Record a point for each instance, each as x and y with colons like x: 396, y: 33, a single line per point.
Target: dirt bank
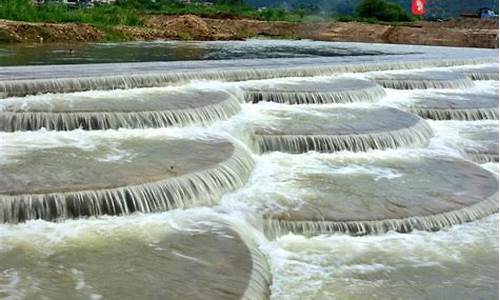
x: 465, y: 33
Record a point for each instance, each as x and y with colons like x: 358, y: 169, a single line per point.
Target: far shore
x: 461, y: 33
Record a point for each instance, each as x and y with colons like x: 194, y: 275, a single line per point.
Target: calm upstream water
x: 127, y: 257
x: 78, y: 53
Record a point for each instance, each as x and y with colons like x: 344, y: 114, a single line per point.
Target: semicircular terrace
x: 338, y: 129
x: 456, y: 106
x: 142, y: 108
x: 117, y: 259
x: 424, y: 80
x: 119, y: 176
x: 335, y: 90
x: 387, y: 194
x: 486, y: 72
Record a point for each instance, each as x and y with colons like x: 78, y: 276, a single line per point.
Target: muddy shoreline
x: 461, y: 33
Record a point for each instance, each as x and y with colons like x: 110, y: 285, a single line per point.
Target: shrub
x: 382, y: 11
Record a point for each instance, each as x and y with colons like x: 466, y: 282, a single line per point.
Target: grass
x: 23, y: 10
x: 129, y: 12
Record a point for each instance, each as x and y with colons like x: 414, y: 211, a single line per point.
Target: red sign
x: 418, y: 7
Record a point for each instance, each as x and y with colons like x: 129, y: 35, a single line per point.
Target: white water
x: 450, y: 264
x: 459, y: 262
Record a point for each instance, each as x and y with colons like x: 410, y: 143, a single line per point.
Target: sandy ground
x: 463, y: 33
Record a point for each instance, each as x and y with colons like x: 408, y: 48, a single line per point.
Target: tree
x: 382, y: 11
x: 231, y: 2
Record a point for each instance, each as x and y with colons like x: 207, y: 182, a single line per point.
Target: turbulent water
x: 459, y: 263
x: 129, y: 257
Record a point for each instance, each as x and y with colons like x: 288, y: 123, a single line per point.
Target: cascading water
x: 413, y: 176
x: 476, y: 140
x: 458, y: 263
x: 119, y: 177
x: 456, y: 106
x: 22, y: 81
x: 94, y: 258
x: 488, y: 72
x: 340, y: 129
x: 488, y: 151
x: 424, y: 80
x: 336, y: 90
x: 143, y: 108
x: 369, y: 193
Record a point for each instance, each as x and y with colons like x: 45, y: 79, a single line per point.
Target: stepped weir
x: 362, y: 197
x: 87, y: 181
x: 488, y: 72
x: 119, y: 177
x: 424, y: 80
x: 22, y: 81
x: 338, y: 129
x: 126, y: 261
x: 337, y: 90
x: 144, y: 108
x: 456, y: 106
x: 484, y: 143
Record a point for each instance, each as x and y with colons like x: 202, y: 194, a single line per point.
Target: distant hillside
x: 444, y: 8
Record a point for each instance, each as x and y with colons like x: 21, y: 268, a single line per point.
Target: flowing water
x: 74, y: 53
x: 219, y: 246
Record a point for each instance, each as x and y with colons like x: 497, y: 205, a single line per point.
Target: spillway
x: 424, y: 80
x: 488, y: 149
x: 476, y: 140
x: 345, y: 197
x: 141, y: 108
x: 487, y: 72
x: 338, y: 129
x: 21, y: 81
x: 118, y: 176
x: 460, y: 105
x: 115, y: 259
x: 460, y: 262
x: 336, y: 90
x: 360, y: 196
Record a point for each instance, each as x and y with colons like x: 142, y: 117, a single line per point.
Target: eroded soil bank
x: 461, y: 33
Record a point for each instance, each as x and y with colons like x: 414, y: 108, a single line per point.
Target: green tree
x: 231, y: 2
x: 382, y: 11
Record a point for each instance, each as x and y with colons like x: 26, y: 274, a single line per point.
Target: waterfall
x: 409, y: 83
x: 483, y: 75
x: 278, y: 227
x: 472, y: 114
x: 201, y: 187
x: 362, y: 196
x: 182, y: 115
x: 11, y: 87
x: 489, y: 72
x: 260, y: 277
x: 416, y: 136
x: 457, y: 105
x: 340, y: 129
x: 342, y: 90
x: 482, y: 157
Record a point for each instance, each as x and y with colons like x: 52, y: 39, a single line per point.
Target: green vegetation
x: 381, y: 10
x: 129, y: 12
x: 24, y: 10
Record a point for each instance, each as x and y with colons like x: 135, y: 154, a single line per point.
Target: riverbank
x: 462, y: 33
